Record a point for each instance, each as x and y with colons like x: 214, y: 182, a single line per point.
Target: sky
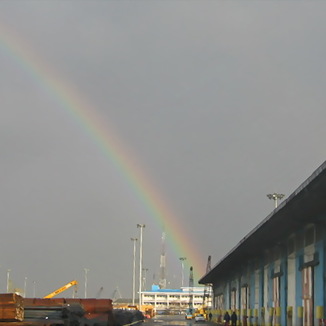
x: 179, y: 115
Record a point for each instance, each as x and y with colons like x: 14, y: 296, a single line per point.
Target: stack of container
x: 11, y: 307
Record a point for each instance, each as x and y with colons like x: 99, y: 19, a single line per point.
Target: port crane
x: 63, y: 288
x: 99, y: 292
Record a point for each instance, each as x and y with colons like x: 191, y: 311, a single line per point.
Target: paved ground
x: 178, y: 320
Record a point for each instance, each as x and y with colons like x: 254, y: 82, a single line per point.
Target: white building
x: 173, y: 300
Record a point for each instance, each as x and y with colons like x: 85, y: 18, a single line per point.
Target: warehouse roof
x: 304, y: 205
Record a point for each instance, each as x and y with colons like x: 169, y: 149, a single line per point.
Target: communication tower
x: 191, y: 289
x: 162, y: 280
x: 207, y: 298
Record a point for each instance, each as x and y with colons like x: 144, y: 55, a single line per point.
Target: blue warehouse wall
x: 319, y: 276
x: 277, y: 274
x: 283, y: 288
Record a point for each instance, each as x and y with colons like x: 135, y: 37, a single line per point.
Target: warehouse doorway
x: 308, y: 295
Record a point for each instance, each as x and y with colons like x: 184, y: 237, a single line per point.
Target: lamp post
x: 86, y: 270
x: 25, y: 286
x: 275, y: 196
x: 141, y: 226
x: 8, y: 279
x: 134, y: 271
x: 182, y: 259
x: 145, y: 270
x: 34, y: 289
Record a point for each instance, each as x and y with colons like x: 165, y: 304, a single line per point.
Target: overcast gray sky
x: 218, y: 102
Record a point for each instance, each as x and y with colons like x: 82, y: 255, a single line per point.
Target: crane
x: 116, y: 294
x: 63, y: 288
x: 99, y: 292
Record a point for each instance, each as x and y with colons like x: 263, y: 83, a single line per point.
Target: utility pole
x: 141, y: 226
x: 275, y: 196
x: 134, y: 271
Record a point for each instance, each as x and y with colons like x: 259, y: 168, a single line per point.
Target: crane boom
x: 98, y: 294
x: 63, y: 288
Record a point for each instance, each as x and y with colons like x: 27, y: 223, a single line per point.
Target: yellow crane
x: 63, y: 288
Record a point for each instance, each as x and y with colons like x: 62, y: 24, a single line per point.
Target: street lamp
x: 25, y: 286
x: 275, y: 196
x: 34, y: 289
x: 141, y: 226
x: 8, y: 279
x: 134, y: 271
x: 145, y: 270
x: 86, y: 270
x: 182, y: 259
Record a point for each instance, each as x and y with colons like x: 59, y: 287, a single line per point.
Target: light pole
x: 25, y: 286
x: 34, y: 289
x: 275, y: 196
x: 86, y: 270
x: 145, y: 270
x: 141, y: 226
x: 182, y: 259
x: 134, y: 271
x: 8, y: 279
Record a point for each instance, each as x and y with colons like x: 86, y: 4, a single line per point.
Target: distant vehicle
x: 199, y: 317
x: 188, y: 316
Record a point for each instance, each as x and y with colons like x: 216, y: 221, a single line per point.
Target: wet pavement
x: 177, y: 320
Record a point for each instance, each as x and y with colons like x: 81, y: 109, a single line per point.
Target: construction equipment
x: 116, y: 294
x: 63, y: 288
x: 148, y: 310
x: 99, y: 292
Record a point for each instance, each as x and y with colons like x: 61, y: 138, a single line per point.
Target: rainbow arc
x: 107, y: 141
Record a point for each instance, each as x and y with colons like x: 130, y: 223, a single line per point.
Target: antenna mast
x: 207, y: 298
x: 162, y: 281
x: 191, y: 289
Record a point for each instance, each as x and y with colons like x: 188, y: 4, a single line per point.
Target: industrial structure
x: 162, y: 280
x: 207, y: 298
x: 191, y: 307
x: 276, y: 274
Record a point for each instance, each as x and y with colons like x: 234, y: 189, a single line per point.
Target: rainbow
x: 106, y: 140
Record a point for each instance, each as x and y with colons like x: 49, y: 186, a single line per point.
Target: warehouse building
x: 276, y: 274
